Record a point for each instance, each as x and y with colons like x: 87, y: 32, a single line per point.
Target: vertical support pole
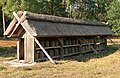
x: 61, y: 49
x: 25, y: 48
x: 95, y: 45
x: 80, y: 47
x: 30, y: 49
x: 105, y: 43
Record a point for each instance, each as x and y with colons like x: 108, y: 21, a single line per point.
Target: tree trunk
x: 1, y: 21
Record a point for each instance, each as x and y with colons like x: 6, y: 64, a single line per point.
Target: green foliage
x: 13, y: 5
x: 27, y: 68
x: 87, y: 9
x: 52, y: 7
x: 113, y: 16
x: 80, y: 9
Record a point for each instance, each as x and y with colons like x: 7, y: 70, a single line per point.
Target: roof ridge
x: 52, y: 18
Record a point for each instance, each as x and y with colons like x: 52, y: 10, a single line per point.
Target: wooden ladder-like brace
x: 90, y: 46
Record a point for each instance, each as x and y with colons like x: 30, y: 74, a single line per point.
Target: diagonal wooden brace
x: 113, y: 42
x: 91, y: 47
x: 45, y: 52
x: 17, y: 24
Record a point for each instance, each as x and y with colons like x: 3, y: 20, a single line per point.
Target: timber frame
x: 43, y: 37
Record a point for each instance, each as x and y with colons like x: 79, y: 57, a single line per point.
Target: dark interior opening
x: 21, y: 49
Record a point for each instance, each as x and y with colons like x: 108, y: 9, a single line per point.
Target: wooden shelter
x: 55, y: 37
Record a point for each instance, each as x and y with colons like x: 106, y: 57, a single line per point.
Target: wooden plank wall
x: 67, y: 46
x: 29, y: 49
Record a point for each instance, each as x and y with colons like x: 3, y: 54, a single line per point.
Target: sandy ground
x: 16, y: 63
x: 13, y: 63
x: 8, y: 43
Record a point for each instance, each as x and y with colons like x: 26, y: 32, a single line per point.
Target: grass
x: 7, y: 48
x: 103, y: 65
x: 2, y: 68
x: 8, y: 51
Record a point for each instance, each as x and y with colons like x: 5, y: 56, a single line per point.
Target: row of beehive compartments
x: 68, y: 50
x: 101, y: 46
x: 100, y: 40
x: 82, y: 41
x: 92, y: 40
x: 51, y: 43
x: 68, y: 41
x: 53, y: 52
x: 97, y: 47
x: 86, y: 48
x: 57, y: 52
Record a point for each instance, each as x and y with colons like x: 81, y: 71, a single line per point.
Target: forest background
x: 106, y: 11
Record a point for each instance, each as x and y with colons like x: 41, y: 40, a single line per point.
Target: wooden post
x: 34, y: 38
x: 30, y: 49
x: 61, y: 49
x: 95, y: 45
x: 80, y: 47
x: 105, y: 45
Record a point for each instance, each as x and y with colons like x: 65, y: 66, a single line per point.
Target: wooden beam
x: 61, y: 49
x: 18, y: 23
x: 34, y: 38
x: 80, y: 45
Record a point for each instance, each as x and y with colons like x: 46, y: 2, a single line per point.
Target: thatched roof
x: 48, y: 25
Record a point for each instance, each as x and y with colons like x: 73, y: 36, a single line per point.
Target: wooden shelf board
x: 71, y: 54
x: 71, y: 45
x: 87, y: 44
x: 49, y: 47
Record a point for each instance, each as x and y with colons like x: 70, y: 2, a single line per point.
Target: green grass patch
x: 7, y: 51
x: 7, y: 48
x: 27, y: 68
x: 2, y: 68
